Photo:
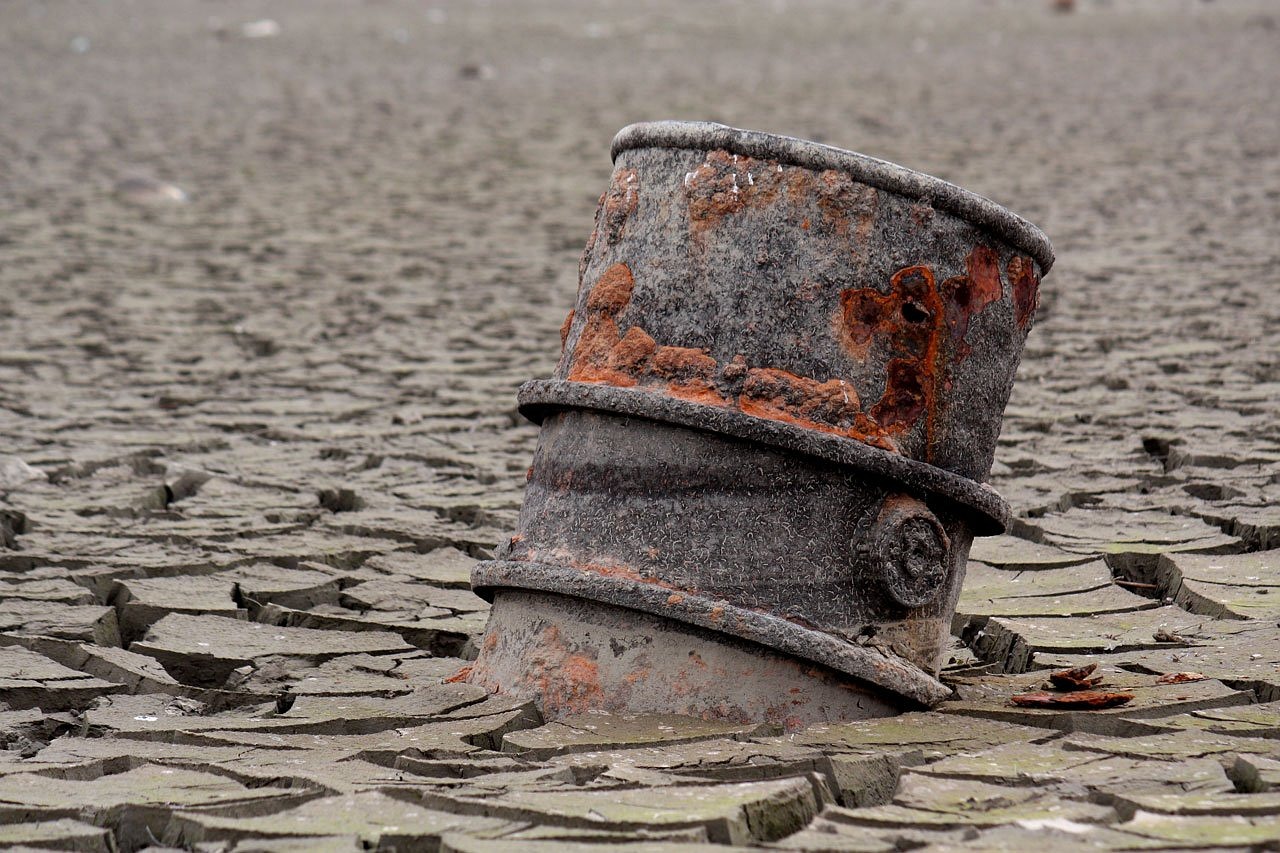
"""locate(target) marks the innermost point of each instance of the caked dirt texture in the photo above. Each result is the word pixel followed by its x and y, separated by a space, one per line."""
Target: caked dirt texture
pixel 251 444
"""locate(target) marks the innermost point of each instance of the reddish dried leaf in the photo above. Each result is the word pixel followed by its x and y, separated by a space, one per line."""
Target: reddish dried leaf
pixel 1076 679
pixel 1180 677
pixel 1083 700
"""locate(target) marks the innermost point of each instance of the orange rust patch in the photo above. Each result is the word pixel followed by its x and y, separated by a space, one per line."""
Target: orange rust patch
pixel 834 402
pixel 683 363
pixel 697 391
pixel 918 328
pixel 725 184
pixel 565 327
pixel 675 598
pixel 603 354
pixel 966 296
pixel 905 397
pixel 577 686
pixel 593 355
pixel 1026 289
pixel 632 353
pixel 907 317
pixel 567 678
pixel 612 291
pixel 921 327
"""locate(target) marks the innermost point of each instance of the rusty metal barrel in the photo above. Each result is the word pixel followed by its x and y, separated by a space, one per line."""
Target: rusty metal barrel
pixel 762 451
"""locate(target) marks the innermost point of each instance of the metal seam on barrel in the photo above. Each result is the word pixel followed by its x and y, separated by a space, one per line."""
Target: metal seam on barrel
pixel 881 174
pixel 870 665
pixel 545 395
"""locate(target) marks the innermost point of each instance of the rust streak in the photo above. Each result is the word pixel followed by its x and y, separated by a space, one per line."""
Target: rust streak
pixel 1026 289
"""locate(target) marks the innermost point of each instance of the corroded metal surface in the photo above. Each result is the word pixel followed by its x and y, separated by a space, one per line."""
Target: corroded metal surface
pixel 751 310
pixel 539 644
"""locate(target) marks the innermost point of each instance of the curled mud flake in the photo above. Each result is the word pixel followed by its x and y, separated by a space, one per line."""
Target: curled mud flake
pixel 619 202
pixel 684 363
pixel 1026 289
pixel 1079 678
pixel 565 327
pixel 612 291
pixel 1180 677
pixel 1079 700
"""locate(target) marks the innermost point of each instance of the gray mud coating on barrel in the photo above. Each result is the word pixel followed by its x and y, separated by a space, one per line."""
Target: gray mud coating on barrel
pixel 780 388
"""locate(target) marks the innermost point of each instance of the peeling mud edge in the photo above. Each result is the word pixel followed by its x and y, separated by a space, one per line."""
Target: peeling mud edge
pixel 868 665
pixel 881 174
pixel 979 504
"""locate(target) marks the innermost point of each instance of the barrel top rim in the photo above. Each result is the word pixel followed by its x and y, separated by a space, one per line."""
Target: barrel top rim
pixel 881 174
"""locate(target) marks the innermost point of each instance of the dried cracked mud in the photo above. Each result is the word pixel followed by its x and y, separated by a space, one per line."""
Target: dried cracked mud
pixel 256 426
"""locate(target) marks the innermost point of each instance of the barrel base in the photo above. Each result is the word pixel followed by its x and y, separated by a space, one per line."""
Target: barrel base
pixel 571 655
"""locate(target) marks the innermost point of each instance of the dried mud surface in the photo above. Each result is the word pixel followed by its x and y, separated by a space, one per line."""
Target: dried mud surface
pixel 252 443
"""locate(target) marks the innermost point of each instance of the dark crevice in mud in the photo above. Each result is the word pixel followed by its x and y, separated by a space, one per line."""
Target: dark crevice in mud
pixel 340 500
pixel 1137 573
pixel 13 524
pixel 1158 449
pixel 1253 537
